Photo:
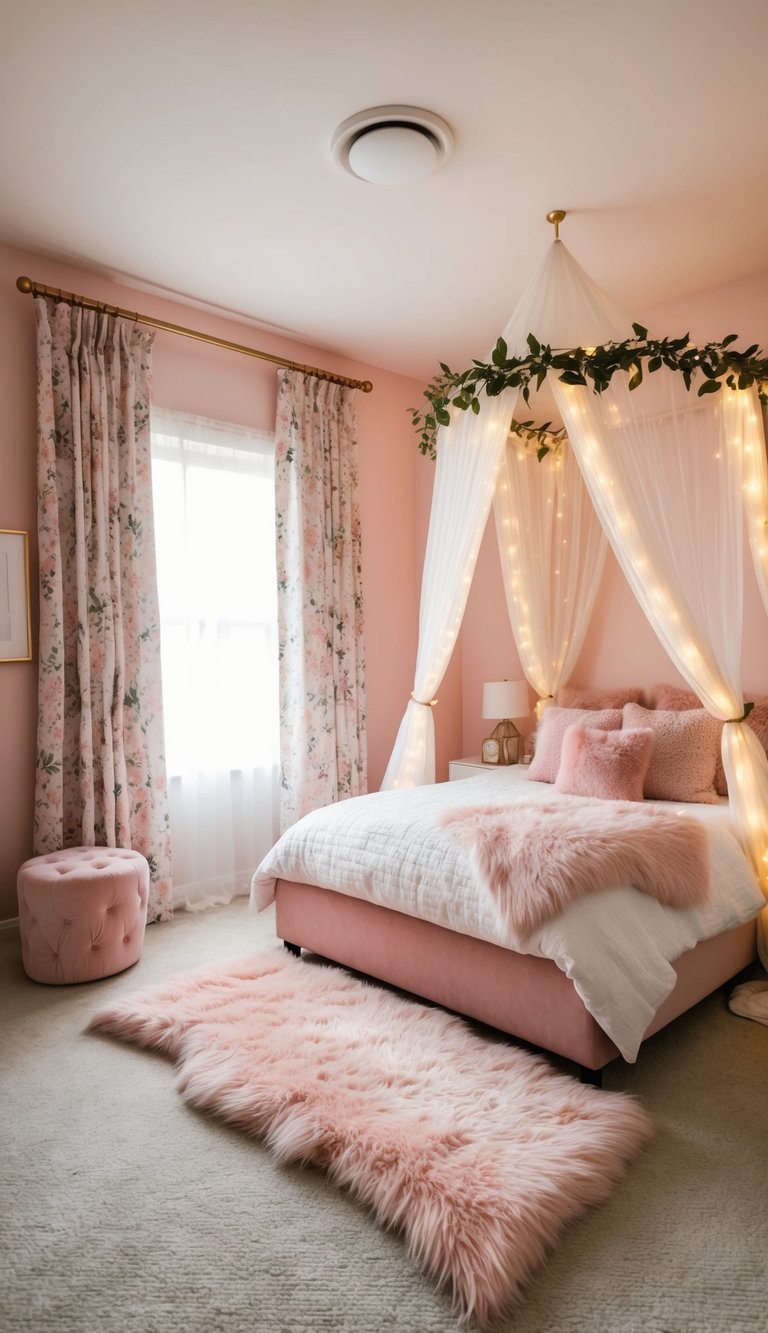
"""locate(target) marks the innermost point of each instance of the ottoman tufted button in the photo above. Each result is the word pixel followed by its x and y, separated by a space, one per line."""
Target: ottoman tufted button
pixel 101 882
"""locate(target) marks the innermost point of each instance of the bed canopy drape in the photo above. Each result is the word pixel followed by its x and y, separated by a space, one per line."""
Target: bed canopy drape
pixel 472 452
pixel 468 461
pixel 666 472
pixel 551 545
pixel 672 478
pixel 552 552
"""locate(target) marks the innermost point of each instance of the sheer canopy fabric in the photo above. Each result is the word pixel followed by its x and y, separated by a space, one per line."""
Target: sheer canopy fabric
pixel 469 453
pixel 756 485
pixel 665 470
pixel 552 551
pixel 563 307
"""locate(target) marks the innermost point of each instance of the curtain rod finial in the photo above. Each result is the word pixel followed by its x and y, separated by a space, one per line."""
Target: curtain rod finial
pixel 556 217
pixel 24 285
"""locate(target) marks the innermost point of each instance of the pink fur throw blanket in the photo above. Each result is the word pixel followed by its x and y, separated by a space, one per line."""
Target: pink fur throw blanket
pixel 536 859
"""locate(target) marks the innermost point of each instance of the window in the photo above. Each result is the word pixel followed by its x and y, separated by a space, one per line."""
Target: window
pixel 213 488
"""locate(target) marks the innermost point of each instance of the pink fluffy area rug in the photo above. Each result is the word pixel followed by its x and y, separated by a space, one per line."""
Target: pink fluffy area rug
pixel 476 1151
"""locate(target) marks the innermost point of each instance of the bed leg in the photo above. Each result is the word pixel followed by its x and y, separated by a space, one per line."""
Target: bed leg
pixel 292 948
pixel 592 1076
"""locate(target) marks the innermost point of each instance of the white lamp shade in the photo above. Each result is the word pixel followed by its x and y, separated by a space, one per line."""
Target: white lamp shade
pixel 505 698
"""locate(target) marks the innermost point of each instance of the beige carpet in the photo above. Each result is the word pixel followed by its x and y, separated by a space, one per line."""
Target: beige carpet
pixel 123 1211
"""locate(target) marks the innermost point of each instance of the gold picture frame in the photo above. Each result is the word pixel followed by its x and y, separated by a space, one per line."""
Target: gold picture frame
pixel 15 609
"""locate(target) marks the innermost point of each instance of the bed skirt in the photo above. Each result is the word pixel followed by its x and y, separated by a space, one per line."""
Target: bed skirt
pixel 520 994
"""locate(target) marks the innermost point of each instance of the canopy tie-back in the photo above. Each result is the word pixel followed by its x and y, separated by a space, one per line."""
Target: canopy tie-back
pixel 747 710
pixel 425 703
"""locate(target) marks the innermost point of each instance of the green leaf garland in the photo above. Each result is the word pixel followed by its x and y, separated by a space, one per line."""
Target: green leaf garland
pixel 719 363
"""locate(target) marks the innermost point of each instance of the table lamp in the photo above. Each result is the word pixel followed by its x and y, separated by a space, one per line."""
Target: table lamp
pixel 504 699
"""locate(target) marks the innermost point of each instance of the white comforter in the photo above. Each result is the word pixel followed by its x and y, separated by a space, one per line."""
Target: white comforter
pixel 617 946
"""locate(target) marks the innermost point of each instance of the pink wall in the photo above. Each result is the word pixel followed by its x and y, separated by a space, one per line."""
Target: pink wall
pixel 396 485
pixel 620 648
pixel 395 489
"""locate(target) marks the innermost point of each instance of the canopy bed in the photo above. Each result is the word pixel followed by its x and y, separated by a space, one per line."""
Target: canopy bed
pixel 663 467
pixel 379 884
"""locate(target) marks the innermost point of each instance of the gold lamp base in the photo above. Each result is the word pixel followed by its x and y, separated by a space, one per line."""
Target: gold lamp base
pixel 508 736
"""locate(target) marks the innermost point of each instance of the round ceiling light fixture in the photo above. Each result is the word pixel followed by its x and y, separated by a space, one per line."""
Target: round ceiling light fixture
pixel 392 145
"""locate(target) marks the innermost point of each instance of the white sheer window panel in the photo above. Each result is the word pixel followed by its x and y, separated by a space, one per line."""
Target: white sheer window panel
pixel 552 552
pixel 665 470
pixel 213 487
pixel 468 458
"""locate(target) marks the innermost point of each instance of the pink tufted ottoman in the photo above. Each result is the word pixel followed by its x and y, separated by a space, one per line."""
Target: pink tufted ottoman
pixel 82 913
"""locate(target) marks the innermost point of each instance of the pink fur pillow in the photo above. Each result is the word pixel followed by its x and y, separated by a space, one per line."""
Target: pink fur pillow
pixel 678 699
pixel 675 698
pixel 685 753
pixel 552 728
pixel 572 696
pixel 608 764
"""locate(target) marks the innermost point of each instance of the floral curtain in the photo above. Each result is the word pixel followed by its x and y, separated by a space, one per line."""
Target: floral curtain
pixel 100 776
pixel 323 746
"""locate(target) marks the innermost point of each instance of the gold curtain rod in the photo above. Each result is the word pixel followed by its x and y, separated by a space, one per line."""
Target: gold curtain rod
pixel 30 288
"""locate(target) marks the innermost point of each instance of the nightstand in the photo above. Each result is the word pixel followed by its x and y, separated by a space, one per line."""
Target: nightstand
pixel 469 768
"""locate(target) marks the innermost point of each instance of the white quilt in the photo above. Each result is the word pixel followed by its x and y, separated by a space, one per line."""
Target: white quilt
pixel 617 946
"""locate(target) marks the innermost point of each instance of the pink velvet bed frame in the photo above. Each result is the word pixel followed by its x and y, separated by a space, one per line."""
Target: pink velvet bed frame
pixel 519 994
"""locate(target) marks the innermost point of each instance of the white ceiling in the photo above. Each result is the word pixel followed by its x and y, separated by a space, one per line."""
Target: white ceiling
pixel 185 145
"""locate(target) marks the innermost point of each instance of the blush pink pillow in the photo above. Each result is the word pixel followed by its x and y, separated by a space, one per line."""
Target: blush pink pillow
pixel 608 764
pixel 552 728
pixel 677 698
pixel 572 696
pixel 685 753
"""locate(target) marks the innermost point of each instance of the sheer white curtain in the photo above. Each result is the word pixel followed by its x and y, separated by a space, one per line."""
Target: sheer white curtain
pixel 755 485
pixel 468 458
pixel 213 487
pixel 665 470
pixel 552 552
pixel 563 307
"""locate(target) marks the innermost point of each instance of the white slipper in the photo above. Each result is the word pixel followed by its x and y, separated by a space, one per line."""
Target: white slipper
pixel 750 1000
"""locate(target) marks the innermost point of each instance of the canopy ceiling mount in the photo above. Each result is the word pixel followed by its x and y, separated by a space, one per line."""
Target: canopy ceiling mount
pixel 556 216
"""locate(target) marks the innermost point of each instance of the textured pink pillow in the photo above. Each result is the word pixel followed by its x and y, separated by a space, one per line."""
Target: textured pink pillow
pixel 758 718
pixel 553 726
pixel 607 764
pixel 572 696
pixel 685 754
pixel 678 699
